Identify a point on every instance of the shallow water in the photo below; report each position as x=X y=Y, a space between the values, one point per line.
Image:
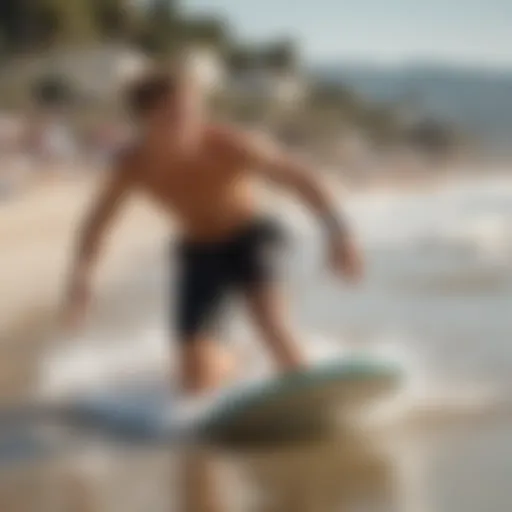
x=438 y=298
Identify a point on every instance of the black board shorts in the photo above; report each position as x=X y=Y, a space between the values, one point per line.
x=209 y=272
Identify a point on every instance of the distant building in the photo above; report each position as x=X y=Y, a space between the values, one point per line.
x=257 y=83
x=286 y=88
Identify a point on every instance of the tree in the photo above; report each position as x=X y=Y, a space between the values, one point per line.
x=32 y=24
x=160 y=28
x=115 y=19
x=156 y=25
x=281 y=55
x=240 y=59
x=74 y=21
x=206 y=30
x=21 y=23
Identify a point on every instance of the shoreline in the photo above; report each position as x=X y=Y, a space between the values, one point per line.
x=36 y=229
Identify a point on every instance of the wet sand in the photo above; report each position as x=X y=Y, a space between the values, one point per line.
x=465 y=469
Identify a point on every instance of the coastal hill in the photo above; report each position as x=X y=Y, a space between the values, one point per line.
x=475 y=100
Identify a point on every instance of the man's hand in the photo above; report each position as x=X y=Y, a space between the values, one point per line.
x=269 y=161
x=346 y=258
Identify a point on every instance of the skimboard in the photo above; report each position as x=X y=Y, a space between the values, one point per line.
x=279 y=406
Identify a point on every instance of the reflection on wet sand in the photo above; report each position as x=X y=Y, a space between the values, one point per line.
x=325 y=475
x=321 y=475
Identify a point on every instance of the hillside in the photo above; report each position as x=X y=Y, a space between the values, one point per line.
x=478 y=101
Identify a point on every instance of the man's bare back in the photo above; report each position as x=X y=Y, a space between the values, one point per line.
x=202 y=176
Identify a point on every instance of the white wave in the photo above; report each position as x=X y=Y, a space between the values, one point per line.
x=91 y=364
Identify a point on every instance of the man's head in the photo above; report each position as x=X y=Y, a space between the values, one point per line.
x=164 y=101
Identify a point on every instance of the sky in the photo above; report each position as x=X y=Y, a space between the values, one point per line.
x=465 y=32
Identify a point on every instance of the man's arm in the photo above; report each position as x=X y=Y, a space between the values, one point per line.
x=273 y=163
x=90 y=237
x=289 y=171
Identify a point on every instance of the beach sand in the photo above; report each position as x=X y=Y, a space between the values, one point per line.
x=37 y=232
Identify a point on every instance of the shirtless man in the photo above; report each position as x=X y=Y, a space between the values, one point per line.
x=202 y=174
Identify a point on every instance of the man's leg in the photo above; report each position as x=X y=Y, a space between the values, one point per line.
x=205 y=365
x=258 y=263
x=268 y=310
x=202 y=288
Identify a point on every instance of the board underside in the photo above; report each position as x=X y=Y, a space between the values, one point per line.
x=282 y=406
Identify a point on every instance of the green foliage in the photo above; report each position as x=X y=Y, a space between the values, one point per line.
x=24 y=23
x=32 y=24
x=209 y=31
x=159 y=28
x=113 y=19
x=278 y=56
x=74 y=21
x=240 y=59
x=29 y=25
x=281 y=55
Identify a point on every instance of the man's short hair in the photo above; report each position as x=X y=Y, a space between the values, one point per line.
x=147 y=92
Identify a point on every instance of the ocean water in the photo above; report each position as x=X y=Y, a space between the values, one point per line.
x=437 y=297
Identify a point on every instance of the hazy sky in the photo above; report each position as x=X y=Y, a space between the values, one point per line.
x=462 y=31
